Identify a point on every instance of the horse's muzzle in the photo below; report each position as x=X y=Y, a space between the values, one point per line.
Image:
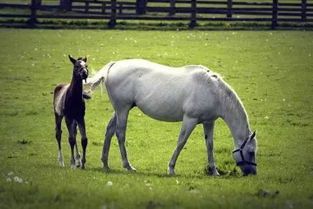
x=84 y=76
x=249 y=170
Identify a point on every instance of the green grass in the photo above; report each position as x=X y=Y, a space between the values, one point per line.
x=271 y=71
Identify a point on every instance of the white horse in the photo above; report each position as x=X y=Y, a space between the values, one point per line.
x=191 y=94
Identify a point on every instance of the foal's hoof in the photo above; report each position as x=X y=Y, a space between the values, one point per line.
x=171 y=172
x=106 y=169
x=61 y=164
x=212 y=171
x=72 y=164
x=78 y=162
x=130 y=168
x=60 y=160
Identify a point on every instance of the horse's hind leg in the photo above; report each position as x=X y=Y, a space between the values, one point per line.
x=58 y=136
x=84 y=141
x=187 y=127
x=208 y=136
x=121 y=124
x=110 y=130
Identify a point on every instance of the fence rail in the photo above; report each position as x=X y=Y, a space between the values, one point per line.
x=274 y=12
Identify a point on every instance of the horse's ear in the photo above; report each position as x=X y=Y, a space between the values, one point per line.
x=72 y=59
x=85 y=59
x=253 y=135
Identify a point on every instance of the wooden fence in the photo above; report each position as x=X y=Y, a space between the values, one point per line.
x=273 y=12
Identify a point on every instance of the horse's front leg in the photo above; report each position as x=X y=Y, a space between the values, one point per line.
x=77 y=156
x=187 y=127
x=208 y=128
x=121 y=124
x=111 y=129
x=84 y=140
x=71 y=126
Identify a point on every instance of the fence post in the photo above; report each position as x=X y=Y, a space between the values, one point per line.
x=66 y=4
x=229 y=8
x=86 y=6
x=193 y=16
x=141 y=7
x=274 y=13
x=103 y=7
x=33 y=12
x=112 y=21
x=303 y=8
x=120 y=8
x=172 y=7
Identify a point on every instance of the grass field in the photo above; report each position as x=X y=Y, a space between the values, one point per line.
x=272 y=72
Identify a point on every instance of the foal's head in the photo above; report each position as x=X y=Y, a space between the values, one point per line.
x=80 y=70
x=245 y=155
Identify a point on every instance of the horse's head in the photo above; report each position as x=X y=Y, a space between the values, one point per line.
x=245 y=155
x=80 y=70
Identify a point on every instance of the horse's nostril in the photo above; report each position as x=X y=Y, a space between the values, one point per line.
x=84 y=75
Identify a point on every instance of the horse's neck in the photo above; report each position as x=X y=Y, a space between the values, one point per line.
x=76 y=87
x=235 y=116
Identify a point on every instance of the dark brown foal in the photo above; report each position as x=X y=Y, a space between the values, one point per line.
x=68 y=102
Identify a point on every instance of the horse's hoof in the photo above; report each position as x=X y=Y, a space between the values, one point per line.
x=213 y=171
x=131 y=169
x=78 y=162
x=60 y=159
x=61 y=164
x=106 y=169
x=72 y=164
x=215 y=174
x=171 y=172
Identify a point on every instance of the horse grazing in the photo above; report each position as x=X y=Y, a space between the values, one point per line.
x=68 y=102
x=191 y=94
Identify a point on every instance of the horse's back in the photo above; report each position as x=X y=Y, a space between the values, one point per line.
x=59 y=98
x=162 y=92
x=136 y=68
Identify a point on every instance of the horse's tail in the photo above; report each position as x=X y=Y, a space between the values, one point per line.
x=99 y=77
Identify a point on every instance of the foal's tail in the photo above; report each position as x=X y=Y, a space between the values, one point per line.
x=99 y=77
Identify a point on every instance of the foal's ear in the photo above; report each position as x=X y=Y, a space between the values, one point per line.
x=85 y=59
x=72 y=59
x=253 y=135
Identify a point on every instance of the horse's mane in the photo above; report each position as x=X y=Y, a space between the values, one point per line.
x=231 y=101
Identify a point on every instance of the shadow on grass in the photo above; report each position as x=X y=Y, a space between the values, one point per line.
x=145 y=173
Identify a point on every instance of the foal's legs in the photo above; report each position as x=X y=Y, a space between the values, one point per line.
x=208 y=135
x=121 y=124
x=58 y=135
x=77 y=156
x=84 y=141
x=71 y=126
x=187 y=127
x=111 y=128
